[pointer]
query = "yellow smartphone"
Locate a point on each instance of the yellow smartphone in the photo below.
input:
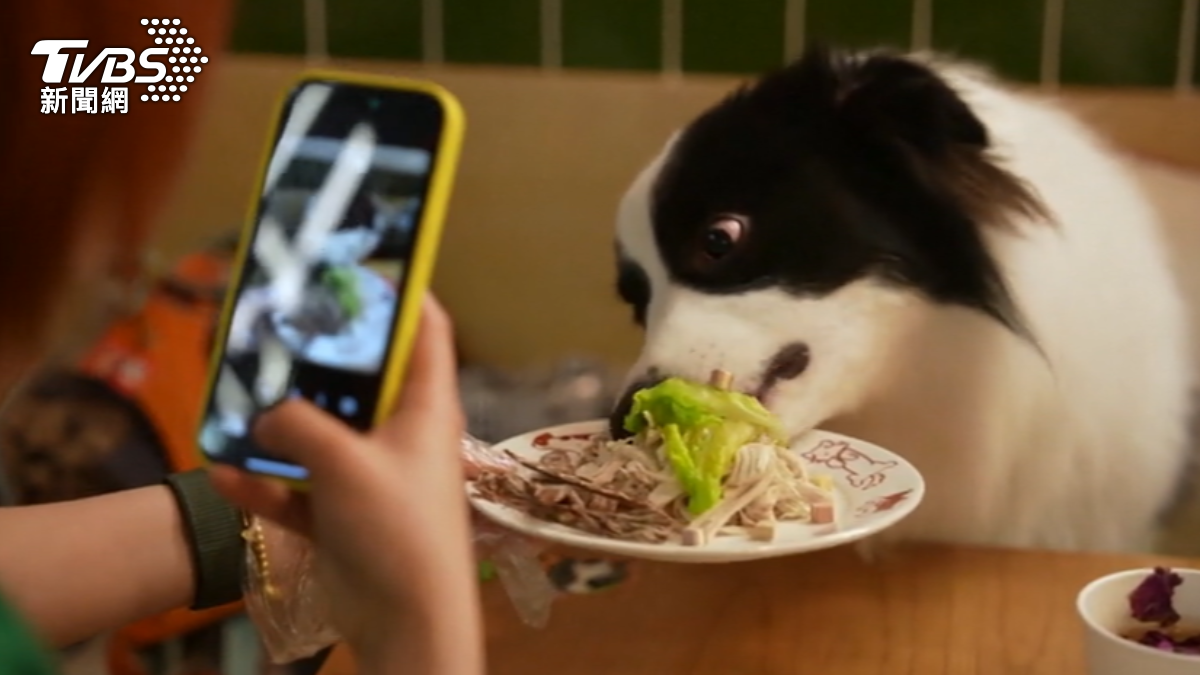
(334, 261)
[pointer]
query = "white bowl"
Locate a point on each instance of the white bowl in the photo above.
(1103, 607)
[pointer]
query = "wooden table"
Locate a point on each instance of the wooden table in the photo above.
(925, 610)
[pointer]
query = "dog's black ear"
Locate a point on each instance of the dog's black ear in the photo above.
(888, 96)
(877, 96)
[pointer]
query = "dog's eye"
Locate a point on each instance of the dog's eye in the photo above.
(723, 235)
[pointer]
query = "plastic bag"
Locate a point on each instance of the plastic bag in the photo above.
(289, 607)
(282, 596)
(515, 558)
(501, 404)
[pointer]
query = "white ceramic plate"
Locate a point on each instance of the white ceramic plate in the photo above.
(875, 490)
(362, 344)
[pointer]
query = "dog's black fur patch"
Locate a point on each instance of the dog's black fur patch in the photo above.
(843, 167)
(633, 286)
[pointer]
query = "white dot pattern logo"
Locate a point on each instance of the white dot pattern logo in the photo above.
(170, 34)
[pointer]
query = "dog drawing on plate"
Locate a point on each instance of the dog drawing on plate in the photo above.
(861, 470)
(902, 249)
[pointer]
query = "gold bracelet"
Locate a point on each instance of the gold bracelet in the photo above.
(257, 540)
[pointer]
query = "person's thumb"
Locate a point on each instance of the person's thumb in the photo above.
(264, 497)
(297, 431)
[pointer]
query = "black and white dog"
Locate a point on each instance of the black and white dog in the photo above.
(899, 248)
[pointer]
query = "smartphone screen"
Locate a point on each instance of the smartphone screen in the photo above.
(317, 300)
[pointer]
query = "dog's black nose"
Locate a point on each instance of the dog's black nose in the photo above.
(616, 421)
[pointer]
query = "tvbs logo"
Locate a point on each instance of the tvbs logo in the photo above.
(166, 69)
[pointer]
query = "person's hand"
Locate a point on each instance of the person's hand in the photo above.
(387, 514)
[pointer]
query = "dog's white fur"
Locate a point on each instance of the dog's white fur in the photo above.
(1077, 449)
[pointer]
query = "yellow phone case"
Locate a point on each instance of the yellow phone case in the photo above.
(425, 248)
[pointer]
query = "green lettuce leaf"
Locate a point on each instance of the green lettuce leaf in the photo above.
(702, 427)
(343, 281)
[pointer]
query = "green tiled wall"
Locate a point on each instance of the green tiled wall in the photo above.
(623, 34)
(1104, 42)
(1007, 34)
(385, 29)
(859, 23)
(720, 36)
(506, 32)
(272, 26)
(1125, 42)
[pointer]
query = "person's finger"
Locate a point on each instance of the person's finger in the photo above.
(430, 390)
(263, 497)
(431, 374)
(470, 466)
(299, 432)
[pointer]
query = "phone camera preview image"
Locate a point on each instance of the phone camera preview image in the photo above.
(316, 302)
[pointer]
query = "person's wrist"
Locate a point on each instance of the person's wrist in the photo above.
(432, 635)
(213, 531)
(406, 654)
(400, 645)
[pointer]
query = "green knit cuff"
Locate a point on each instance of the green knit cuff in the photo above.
(214, 531)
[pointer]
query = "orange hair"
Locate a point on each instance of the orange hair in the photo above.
(52, 164)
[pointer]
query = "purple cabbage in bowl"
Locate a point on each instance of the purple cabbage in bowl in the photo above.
(1152, 602)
